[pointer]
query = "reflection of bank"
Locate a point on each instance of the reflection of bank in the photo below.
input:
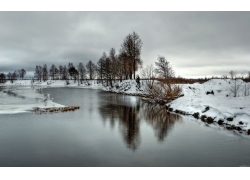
(128, 112)
(160, 119)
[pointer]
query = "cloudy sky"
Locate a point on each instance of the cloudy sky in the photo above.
(197, 44)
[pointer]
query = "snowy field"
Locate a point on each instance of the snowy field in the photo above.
(221, 105)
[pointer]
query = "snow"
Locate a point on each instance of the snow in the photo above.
(222, 104)
(22, 96)
(17, 99)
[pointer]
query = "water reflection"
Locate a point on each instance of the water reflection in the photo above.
(161, 120)
(114, 109)
(129, 111)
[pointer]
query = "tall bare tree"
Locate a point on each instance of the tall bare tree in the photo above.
(38, 72)
(163, 68)
(81, 71)
(91, 67)
(45, 73)
(132, 45)
(100, 66)
(52, 71)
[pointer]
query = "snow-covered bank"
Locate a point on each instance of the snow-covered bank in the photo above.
(219, 106)
(128, 87)
(23, 95)
(54, 83)
(212, 101)
(19, 99)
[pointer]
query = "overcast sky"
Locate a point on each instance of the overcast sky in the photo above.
(197, 44)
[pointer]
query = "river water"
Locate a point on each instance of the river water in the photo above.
(115, 130)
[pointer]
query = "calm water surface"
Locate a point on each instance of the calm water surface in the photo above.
(115, 130)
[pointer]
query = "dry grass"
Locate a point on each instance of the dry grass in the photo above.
(163, 92)
(55, 110)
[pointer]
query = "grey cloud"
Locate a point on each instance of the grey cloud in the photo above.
(195, 43)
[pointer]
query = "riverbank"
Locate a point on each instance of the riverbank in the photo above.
(214, 102)
(210, 102)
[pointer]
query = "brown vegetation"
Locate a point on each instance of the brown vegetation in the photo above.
(55, 109)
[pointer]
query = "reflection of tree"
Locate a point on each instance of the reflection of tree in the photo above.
(158, 117)
(126, 116)
(116, 109)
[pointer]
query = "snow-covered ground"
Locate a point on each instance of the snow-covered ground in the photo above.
(23, 95)
(220, 106)
(19, 99)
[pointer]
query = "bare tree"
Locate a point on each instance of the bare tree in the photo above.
(45, 73)
(14, 76)
(22, 73)
(235, 87)
(163, 68)
(38, 73)
(246, 89)
(232, 74)
(65, 73)
(100, 65)
(148, 73)
(60, 72)
(91, 67)
(52, 71)
(2, 78)
(9, 75)
(81, 71)
(132, 46)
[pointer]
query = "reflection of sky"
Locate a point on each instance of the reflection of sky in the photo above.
(81, 138)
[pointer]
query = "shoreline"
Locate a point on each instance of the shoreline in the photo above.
(195, 102)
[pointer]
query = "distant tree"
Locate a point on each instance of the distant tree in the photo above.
(232, 74)
(22, 73)
(81, 71)
(70, 65)
(91, 68)
(99, 67)
(65, 73)
(14, 76)
(235, 87)
(73, 73)
(57, 73)
(45, 73)
(9, 75)
(60, 72)
(38, 72)
(224, 77)
(163, 68)
(2, 78)
(52, 71)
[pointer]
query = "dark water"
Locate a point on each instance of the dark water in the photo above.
(115, 130)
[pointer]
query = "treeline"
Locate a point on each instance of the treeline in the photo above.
(110, 66)
(12, 76)
(63, 72)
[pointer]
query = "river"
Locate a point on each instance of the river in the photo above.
(115, 130)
